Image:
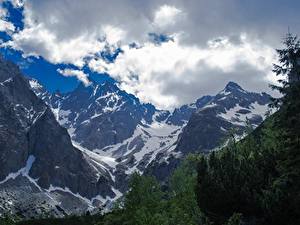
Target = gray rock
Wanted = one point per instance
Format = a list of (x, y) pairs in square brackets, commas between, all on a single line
[(29, 131)]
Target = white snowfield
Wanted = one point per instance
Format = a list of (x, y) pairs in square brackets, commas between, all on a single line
[(155, 138), (235, 117)]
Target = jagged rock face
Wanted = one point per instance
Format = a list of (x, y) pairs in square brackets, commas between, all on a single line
[(100, 115), (102, 118), (203, 133), (34, 147), (19, 107), (181, 116), (58, 163), (232, 108)]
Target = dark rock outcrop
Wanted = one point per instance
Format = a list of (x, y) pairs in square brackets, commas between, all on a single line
[(232, 108), (33, 145)]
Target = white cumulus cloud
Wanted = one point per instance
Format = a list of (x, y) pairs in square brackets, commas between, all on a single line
[(166, 15), (152, 71), (113, 35), (18, 3), (80, 75), (37, 41), (5, 26)]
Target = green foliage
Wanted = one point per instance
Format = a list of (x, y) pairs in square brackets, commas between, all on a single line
[(146, 203), (288, 69), (183, 208), (235, 219), (282, 199), (144, 191), (7, 221)]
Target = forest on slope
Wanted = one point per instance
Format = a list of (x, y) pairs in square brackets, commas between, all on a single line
[(253, 181)]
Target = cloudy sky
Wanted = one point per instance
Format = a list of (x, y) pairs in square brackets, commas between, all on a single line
[(165, 52)]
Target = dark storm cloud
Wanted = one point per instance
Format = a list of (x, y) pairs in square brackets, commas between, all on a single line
[(245, 75), (269, 19)]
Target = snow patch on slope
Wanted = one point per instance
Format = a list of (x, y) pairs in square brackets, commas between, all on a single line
[(23, 172), (34, 84), (234, 116), (147, 141)]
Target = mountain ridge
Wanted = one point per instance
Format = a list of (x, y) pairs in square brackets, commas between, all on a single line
[(162, 134), (114, 135)]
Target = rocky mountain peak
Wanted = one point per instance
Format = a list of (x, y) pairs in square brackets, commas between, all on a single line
[(233, 88), (232, 85)]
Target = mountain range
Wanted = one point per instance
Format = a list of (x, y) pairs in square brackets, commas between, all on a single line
[(73, 152)]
